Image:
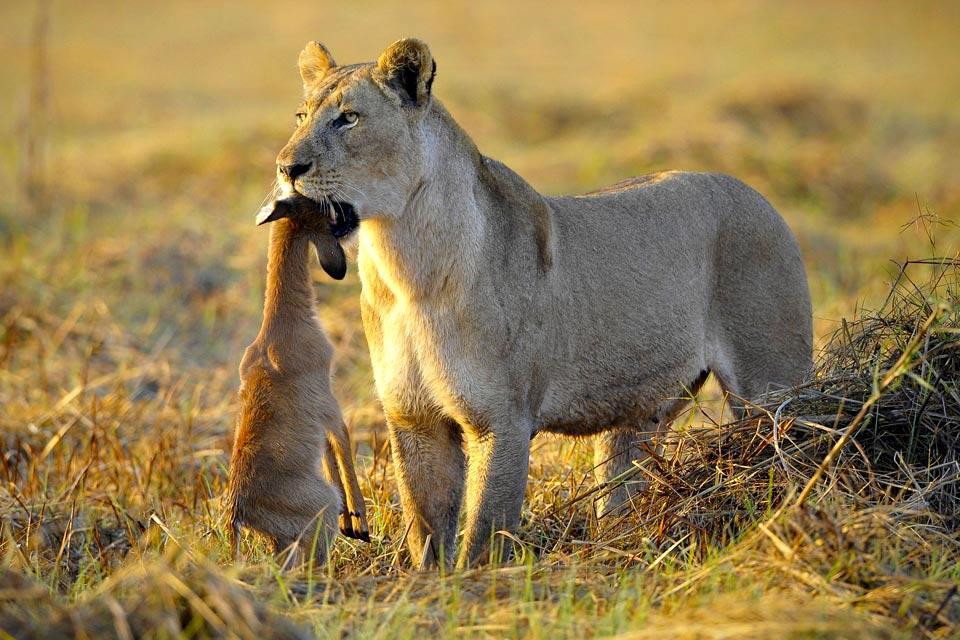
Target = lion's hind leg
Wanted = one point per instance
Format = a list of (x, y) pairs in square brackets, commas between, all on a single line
[(617, 451)]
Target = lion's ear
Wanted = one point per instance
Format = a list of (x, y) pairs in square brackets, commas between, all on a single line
[(408, 68), (315, 62)]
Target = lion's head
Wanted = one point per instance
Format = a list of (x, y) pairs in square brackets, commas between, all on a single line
[(358, 145)]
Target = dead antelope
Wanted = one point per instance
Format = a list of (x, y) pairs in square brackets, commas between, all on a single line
[(290, 423)]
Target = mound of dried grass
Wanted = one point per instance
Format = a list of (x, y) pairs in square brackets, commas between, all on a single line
[(879, 425)]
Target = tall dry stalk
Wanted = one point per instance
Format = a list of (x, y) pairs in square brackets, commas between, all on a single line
[(35, 122)]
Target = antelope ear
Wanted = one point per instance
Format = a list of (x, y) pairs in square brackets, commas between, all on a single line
[(315, 62), (274, 211), (408, 68), (331, 255)]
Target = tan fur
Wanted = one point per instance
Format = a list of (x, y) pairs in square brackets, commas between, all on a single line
[(493, 312), (289, 422)]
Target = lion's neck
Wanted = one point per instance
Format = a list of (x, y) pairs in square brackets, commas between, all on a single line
[(433, 249)]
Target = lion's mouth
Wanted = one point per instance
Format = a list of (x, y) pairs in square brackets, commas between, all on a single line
[(345, 219)]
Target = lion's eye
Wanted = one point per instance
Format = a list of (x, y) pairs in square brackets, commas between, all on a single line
[(347, 119), (301, 116)]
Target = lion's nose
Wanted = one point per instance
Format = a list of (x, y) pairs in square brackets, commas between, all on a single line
[(293, 170)]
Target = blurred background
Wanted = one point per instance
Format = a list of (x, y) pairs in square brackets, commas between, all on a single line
[(139, 140)]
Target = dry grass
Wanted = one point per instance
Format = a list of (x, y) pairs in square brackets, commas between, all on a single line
[(126, 303), (725, 536)]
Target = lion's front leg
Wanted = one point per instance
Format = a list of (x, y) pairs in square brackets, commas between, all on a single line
[(430, 470), (496, 480)]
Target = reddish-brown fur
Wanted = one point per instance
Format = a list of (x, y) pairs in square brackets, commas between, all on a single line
[(290, 423)]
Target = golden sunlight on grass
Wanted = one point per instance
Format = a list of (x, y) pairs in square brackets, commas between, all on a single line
[(131, 278)]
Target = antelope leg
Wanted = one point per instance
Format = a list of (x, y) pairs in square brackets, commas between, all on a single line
[(353, 517)]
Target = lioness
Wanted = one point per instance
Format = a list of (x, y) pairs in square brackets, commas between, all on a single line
[(493, 313)]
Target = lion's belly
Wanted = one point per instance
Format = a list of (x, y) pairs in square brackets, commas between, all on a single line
[(428, 366), (631, 389), (595, 410)]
